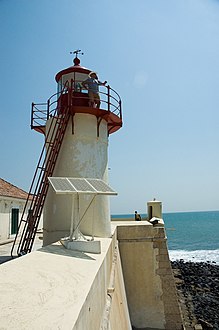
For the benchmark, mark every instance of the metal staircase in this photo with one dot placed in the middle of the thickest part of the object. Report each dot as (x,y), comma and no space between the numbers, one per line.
(37,194)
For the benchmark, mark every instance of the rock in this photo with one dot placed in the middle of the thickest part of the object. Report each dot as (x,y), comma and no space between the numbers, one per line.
(205,324)
(198,327)
(198,290)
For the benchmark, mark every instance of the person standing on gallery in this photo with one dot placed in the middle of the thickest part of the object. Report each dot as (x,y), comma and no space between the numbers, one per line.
(92,85)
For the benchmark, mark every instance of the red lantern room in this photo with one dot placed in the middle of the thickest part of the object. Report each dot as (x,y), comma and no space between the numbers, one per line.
(72,94)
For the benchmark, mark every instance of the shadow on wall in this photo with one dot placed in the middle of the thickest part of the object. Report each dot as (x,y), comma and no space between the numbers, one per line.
(61,250)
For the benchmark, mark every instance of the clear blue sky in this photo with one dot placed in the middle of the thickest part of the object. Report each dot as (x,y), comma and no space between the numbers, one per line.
(163,59)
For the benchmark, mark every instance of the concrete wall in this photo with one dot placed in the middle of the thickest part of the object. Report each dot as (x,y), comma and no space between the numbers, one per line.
(55,288)
(116,313)
(148,277)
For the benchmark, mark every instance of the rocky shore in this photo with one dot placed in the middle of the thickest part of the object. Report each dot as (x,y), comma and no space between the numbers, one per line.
(198,289)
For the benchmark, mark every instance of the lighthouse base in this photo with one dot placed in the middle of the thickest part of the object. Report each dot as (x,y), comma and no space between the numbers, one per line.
(81,245)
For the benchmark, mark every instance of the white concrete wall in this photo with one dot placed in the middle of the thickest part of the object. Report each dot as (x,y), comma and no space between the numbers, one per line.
(83,154)
(118,313)
(55,288)
(6,205)
(148,277)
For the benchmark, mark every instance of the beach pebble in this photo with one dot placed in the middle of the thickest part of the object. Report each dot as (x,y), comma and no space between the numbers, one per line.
(198,290)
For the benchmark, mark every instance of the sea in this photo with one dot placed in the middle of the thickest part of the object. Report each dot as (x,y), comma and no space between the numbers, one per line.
(191,236)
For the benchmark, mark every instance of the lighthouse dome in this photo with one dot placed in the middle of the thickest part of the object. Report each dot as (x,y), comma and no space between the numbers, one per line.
(73,93)
(74,74)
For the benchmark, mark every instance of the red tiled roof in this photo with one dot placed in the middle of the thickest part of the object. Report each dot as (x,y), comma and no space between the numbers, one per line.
(9,190)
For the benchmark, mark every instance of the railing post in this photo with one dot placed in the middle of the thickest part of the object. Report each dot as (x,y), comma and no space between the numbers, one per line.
(108,97)
(120,109)
(48,104)
(70,95)
(32,115)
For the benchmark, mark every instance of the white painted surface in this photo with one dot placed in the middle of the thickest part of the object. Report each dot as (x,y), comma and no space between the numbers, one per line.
(55,288)
(82,245)
(154,209)
(83,154)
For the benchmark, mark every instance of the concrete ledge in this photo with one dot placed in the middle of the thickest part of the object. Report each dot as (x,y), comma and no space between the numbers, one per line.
(138,230)
(56,288)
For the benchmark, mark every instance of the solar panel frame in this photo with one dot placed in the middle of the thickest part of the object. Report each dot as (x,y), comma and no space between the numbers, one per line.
(63,185)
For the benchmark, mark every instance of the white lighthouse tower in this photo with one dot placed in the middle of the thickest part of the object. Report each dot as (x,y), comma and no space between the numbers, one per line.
(76,146)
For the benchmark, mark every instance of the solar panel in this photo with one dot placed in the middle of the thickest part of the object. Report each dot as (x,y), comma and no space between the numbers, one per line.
(80,185)
(100,185)
(61,185)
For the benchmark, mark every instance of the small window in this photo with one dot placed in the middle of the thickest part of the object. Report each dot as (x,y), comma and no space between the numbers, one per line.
(14,220)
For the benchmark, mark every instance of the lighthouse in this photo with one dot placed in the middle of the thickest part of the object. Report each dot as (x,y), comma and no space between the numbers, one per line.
(76,130)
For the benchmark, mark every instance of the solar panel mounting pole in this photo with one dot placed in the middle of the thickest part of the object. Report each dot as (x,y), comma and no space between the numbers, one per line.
(75,233)
(76,187)
(72,229)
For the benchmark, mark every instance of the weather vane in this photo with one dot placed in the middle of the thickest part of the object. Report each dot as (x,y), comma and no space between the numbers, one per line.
(77,52)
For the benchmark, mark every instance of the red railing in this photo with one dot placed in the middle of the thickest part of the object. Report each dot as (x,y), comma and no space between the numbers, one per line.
(41,112)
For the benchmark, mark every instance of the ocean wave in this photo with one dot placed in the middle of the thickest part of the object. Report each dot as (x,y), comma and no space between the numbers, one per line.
(195,256)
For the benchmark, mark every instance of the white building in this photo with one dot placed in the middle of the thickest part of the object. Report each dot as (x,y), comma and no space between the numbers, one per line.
(12,202)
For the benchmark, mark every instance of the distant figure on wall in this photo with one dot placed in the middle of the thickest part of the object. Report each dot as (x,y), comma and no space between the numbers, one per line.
(137,216)
(92,85)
